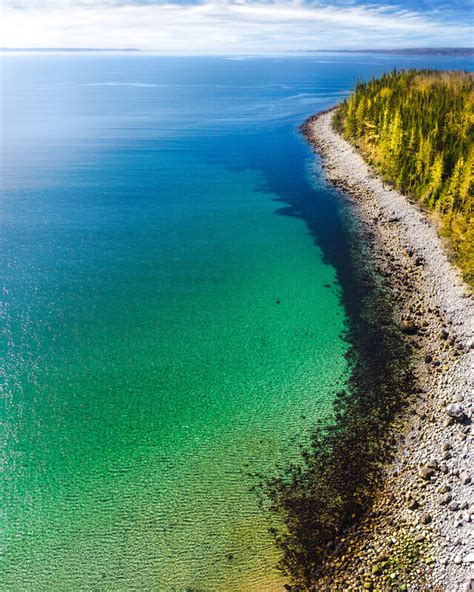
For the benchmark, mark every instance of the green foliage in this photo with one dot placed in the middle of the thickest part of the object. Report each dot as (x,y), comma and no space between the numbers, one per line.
(416,128)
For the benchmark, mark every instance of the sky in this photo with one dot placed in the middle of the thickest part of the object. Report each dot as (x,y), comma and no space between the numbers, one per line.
(236,26)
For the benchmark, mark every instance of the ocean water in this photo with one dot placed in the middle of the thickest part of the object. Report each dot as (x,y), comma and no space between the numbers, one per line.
(171,321)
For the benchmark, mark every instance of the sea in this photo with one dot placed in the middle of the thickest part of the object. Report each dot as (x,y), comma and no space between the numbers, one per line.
(172,326)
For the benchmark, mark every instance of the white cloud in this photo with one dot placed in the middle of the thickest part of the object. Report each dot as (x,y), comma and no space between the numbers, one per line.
(220,26)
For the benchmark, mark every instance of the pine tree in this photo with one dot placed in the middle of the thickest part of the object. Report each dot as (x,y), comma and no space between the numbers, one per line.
(417,128)
(436,178)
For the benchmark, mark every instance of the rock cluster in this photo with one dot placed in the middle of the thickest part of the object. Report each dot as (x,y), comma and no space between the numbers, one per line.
(420,533)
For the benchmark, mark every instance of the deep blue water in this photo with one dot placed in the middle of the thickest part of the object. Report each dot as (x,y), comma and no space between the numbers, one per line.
(171,319)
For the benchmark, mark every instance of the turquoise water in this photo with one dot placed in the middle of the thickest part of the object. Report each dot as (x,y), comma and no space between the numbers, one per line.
(171,313)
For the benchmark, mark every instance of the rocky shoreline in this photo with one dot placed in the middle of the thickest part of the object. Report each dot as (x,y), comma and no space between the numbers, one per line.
(420,531)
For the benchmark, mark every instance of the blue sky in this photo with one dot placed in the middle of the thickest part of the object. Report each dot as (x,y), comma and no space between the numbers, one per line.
(236,26)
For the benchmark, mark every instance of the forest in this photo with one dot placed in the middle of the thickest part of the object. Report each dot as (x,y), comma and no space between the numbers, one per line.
(416,128)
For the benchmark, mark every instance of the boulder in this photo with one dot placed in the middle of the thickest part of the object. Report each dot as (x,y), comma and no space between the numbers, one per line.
(408,326)
(445,498)
(456,411)
(426,518)
(426,472)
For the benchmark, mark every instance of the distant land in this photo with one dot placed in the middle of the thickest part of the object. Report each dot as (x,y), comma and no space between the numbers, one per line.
(448,51)
(451,51)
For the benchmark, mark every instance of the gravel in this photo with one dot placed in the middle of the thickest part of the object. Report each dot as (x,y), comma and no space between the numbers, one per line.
(435,449)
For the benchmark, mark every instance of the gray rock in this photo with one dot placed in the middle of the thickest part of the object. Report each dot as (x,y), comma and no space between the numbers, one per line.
(426,472)
(426,518)
(445,498)
(468,585)
(454,506)
(456,411)
(465,478)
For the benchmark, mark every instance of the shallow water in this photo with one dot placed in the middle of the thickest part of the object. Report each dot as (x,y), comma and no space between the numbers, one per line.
(171,313)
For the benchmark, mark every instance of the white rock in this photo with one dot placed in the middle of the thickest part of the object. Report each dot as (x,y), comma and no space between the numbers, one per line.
(455,410)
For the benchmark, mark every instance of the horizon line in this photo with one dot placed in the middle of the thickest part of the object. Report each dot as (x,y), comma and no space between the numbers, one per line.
(438,49)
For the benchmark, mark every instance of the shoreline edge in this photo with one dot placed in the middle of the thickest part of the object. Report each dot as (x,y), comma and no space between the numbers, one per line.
(428,491)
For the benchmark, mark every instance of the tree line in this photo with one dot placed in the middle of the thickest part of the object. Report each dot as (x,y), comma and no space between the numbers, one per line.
(417,128)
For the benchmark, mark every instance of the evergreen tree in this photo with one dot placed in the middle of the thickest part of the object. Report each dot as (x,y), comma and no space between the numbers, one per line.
(417,128)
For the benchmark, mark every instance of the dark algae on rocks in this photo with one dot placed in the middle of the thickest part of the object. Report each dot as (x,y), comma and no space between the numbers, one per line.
(381,499)
(418,535)
(333,485)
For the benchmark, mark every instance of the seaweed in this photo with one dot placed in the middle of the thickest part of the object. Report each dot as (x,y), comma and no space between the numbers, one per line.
(318,498)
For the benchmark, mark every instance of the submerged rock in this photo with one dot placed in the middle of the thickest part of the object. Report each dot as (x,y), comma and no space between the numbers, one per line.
(408,326)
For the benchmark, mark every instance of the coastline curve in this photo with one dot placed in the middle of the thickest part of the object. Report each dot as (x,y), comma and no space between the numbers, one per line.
(439,317)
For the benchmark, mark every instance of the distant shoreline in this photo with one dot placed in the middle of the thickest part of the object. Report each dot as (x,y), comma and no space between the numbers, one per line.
(412,51)
(433,457)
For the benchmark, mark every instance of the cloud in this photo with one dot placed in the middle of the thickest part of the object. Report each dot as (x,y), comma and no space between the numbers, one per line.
(222,26)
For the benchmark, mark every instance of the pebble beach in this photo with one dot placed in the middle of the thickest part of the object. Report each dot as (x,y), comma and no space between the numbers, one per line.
(421,524)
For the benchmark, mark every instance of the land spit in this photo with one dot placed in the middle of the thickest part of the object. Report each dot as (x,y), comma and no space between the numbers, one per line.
(420,530)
